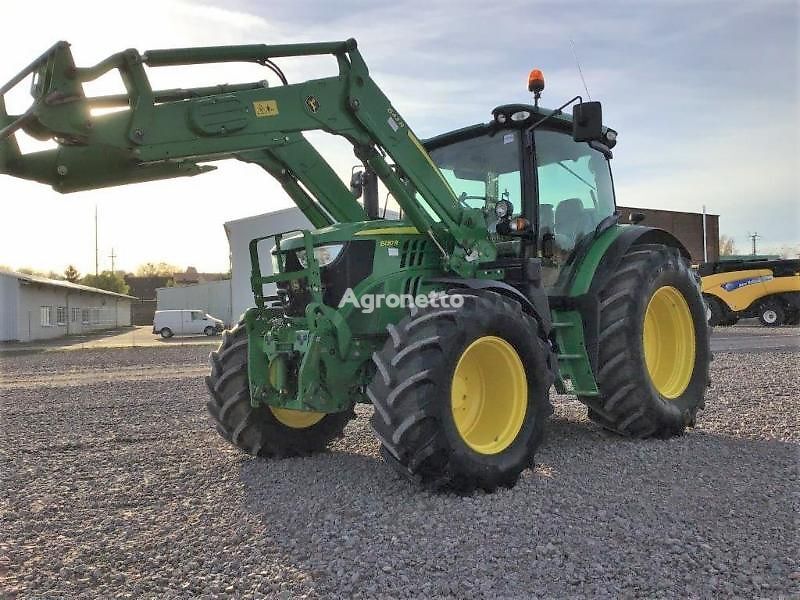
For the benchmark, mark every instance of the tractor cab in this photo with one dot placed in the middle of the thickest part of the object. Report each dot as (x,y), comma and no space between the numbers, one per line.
(539,183)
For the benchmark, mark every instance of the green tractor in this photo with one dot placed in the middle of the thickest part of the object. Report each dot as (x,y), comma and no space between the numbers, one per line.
(506,272)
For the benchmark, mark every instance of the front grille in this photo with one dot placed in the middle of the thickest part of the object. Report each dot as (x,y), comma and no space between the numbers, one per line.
(350,268)
(413,253)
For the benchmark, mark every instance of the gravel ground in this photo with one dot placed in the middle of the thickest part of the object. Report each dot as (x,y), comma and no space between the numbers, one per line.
(113,485)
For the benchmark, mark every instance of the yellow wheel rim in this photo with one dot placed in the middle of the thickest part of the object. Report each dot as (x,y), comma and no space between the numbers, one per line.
(297,419)
(489,395)
(668,338)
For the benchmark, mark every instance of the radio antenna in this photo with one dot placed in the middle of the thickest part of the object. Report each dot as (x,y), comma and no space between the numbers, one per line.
(580,71)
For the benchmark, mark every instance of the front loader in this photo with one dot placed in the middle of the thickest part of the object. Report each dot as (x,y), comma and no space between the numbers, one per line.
(506,273)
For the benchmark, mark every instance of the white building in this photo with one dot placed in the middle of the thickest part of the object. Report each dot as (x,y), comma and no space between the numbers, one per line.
(239,233)
(213,297)
(228,300)
(36,308)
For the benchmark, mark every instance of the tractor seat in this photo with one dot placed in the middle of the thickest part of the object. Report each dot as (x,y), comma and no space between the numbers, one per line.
(571,220)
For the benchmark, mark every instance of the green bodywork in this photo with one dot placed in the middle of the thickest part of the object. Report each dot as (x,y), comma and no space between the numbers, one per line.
(573,359)
(327,352)
(319,360)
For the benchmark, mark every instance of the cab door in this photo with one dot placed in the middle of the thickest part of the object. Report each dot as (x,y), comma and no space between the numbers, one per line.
(196,321)
(575,193)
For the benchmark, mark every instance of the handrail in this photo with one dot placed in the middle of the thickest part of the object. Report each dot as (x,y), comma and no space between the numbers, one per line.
(32,67)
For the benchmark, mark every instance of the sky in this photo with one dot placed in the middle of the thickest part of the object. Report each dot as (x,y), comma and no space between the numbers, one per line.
(705,96)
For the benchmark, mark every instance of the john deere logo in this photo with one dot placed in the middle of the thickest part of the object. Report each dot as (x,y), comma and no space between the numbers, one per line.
(312,103)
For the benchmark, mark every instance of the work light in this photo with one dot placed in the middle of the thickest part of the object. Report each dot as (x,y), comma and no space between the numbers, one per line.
(324,255)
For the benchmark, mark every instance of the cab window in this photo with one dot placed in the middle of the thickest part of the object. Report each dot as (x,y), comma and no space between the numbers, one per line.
(575,193)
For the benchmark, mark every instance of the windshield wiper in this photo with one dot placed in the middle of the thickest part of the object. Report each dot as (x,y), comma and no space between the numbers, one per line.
(566,168)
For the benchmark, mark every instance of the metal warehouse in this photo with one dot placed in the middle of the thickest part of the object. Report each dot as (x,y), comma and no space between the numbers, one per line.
(36,308)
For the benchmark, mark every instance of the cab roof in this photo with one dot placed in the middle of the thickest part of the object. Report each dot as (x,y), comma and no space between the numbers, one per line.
(559,122)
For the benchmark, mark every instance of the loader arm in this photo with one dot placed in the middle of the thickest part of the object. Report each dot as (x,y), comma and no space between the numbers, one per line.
(171,133)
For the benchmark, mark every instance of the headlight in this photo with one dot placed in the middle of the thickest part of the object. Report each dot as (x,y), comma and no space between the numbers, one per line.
(503,209)
(325,255)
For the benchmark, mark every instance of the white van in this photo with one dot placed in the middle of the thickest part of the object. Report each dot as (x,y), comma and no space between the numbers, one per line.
(185,322)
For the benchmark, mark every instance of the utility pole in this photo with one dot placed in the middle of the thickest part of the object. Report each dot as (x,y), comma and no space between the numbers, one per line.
(754,236)
(112,257)
(96,253)
(705,236)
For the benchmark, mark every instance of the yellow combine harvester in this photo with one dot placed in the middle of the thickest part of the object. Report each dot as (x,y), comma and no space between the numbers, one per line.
(767,289)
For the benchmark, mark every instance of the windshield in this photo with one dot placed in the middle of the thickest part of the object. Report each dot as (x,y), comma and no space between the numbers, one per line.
(483,170)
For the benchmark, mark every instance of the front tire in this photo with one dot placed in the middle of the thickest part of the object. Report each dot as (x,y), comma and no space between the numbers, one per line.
(262,431)
(654,354)
(209,331)
(771,313)
(461,394)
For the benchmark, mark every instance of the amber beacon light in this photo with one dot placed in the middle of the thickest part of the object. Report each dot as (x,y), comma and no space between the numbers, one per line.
(536,82)
(536,85)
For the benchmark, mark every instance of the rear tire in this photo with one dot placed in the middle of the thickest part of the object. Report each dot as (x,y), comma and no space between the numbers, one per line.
(661,399)
(771,313)
(436,422)
(261,431)
(166,332)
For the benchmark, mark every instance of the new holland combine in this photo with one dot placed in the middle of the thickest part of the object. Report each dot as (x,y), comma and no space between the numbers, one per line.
(752,287)
(508,240)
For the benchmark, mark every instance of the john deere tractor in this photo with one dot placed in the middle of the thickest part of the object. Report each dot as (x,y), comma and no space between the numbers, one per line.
(508,245)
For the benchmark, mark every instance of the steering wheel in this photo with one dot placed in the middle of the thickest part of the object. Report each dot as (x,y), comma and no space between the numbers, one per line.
(464,197)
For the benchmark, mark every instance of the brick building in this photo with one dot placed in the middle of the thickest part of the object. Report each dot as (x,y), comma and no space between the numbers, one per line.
(686,226)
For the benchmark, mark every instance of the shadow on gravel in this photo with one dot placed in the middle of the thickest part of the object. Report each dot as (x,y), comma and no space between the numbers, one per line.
(700,515)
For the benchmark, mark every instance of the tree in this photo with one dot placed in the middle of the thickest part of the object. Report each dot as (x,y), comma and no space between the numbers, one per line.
(727,247)
(71,274)
(112,282)
(161,269)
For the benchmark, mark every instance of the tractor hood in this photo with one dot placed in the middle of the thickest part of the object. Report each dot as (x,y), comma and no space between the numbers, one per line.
(344,232)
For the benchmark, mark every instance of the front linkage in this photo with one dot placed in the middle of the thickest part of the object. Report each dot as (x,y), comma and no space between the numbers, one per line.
(308,362)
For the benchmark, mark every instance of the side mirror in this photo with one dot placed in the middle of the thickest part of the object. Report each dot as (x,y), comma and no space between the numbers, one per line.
(636,217)
(587,122)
